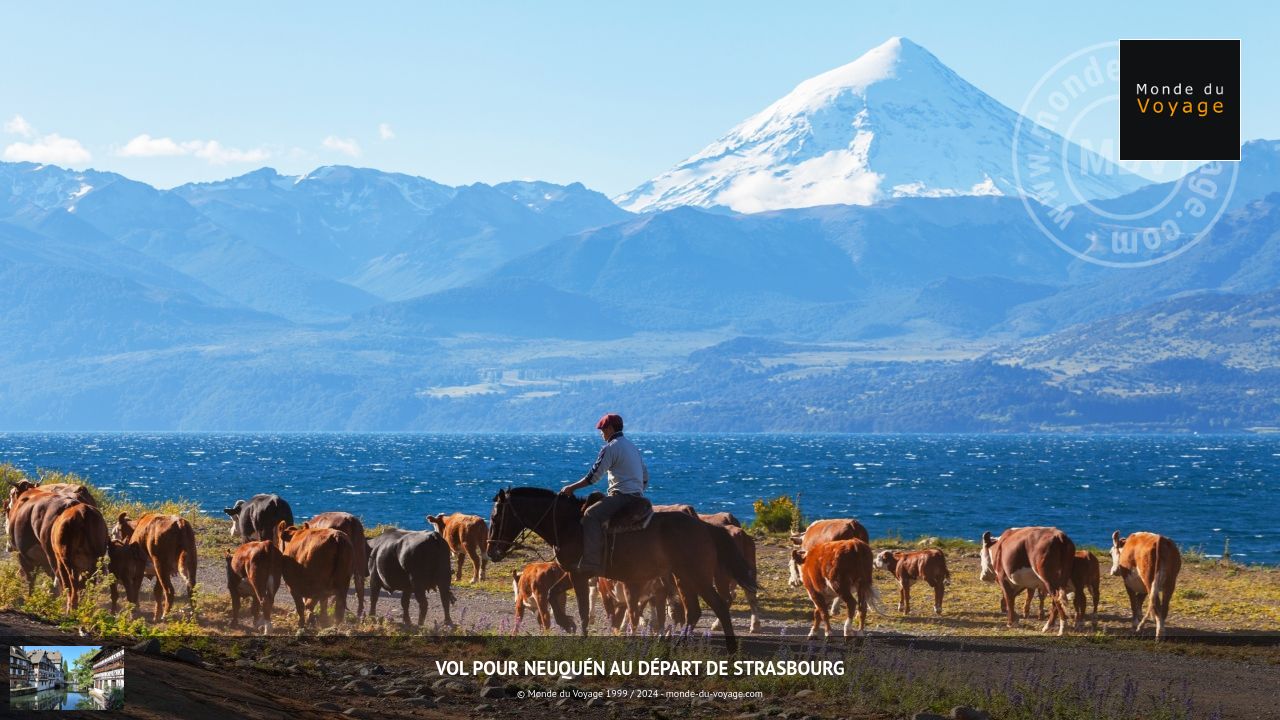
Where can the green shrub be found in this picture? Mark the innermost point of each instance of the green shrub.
(779, 515)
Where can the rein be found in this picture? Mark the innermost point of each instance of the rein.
(527, 528)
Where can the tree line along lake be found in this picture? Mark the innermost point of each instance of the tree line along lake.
(1198, 490)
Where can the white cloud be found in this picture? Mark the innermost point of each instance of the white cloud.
(385, 132)
(346, 146)
(216, 154)
(52, 148)
(19, 126)
(211, 151)
(146, 146)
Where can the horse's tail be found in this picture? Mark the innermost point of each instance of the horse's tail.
(730, 557)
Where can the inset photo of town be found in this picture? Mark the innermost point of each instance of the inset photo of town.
(66, 677)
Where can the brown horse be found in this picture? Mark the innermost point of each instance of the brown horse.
(673, 542)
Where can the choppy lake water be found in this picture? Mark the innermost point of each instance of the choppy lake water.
(1198, 490)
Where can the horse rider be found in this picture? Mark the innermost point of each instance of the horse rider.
(628, 479)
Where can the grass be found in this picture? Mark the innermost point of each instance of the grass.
(1212, 597)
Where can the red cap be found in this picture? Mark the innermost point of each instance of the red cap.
(612, 420)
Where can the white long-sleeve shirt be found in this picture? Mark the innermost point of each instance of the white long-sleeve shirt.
(621, 459)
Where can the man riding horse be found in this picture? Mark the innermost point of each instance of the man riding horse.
(628, 479)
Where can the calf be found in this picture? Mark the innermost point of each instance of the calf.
(911, 567)
(466, 535)
(127, 564)
(78, 539)
(1149, 564)
(258, 518)
(316, 565)
(542, 587)
(837, 570)
(254, 571)
(169, 544)
(351, 525)
(624, 603)
(1085, 575)
(1030, 557)
(820, 531)
(410, 563)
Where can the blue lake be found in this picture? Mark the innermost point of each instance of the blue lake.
(1199, 490)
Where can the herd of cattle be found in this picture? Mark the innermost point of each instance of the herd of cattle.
(59, 529)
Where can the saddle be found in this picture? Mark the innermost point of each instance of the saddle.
(630, 520)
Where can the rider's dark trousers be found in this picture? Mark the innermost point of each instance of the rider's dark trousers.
(593, 525)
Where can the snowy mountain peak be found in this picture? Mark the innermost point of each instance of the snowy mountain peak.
(895, 122)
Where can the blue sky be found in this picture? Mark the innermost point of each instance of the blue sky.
(69, 652)
(608, 94)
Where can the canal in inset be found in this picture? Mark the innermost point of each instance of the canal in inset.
(62, 699)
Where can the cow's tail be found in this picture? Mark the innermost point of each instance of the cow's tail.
(873, 599)
(1154, 599)
(730, 558)
(946, 576)
(187, 560)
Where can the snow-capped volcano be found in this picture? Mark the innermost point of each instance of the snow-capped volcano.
(895, 122)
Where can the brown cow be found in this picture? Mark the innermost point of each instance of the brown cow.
(71, 490)
(316, 565)
(1084, 577)
(820, 531)
(685, 508)
(1149, 564)
(351, 525)
(542, 587)
(724, 581)
(29, 524)
(169, 543)
(910, 567)
(77, 541)
(254, 571)
(1030, 557)
(837, 570)
(466, 535)
(723, 519)
(624, 603)
(127, 563)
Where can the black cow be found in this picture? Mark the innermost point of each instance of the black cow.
(411, 563)
(257, 518)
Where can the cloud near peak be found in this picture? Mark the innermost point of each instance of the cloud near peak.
(346, 146)
(211, 151)
(52, 149)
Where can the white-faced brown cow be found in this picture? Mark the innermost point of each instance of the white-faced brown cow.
(169, 544)
(1030, 557)
(912, 567)
(254, 571)
(466, 535)
(1149, 565)
(542, 587)
(838, 570)
(316, 566)
(351, 525)
(820, 531)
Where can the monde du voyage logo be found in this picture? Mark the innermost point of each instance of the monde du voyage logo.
(1177, 103)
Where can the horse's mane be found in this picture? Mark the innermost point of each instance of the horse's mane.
(531, 492)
